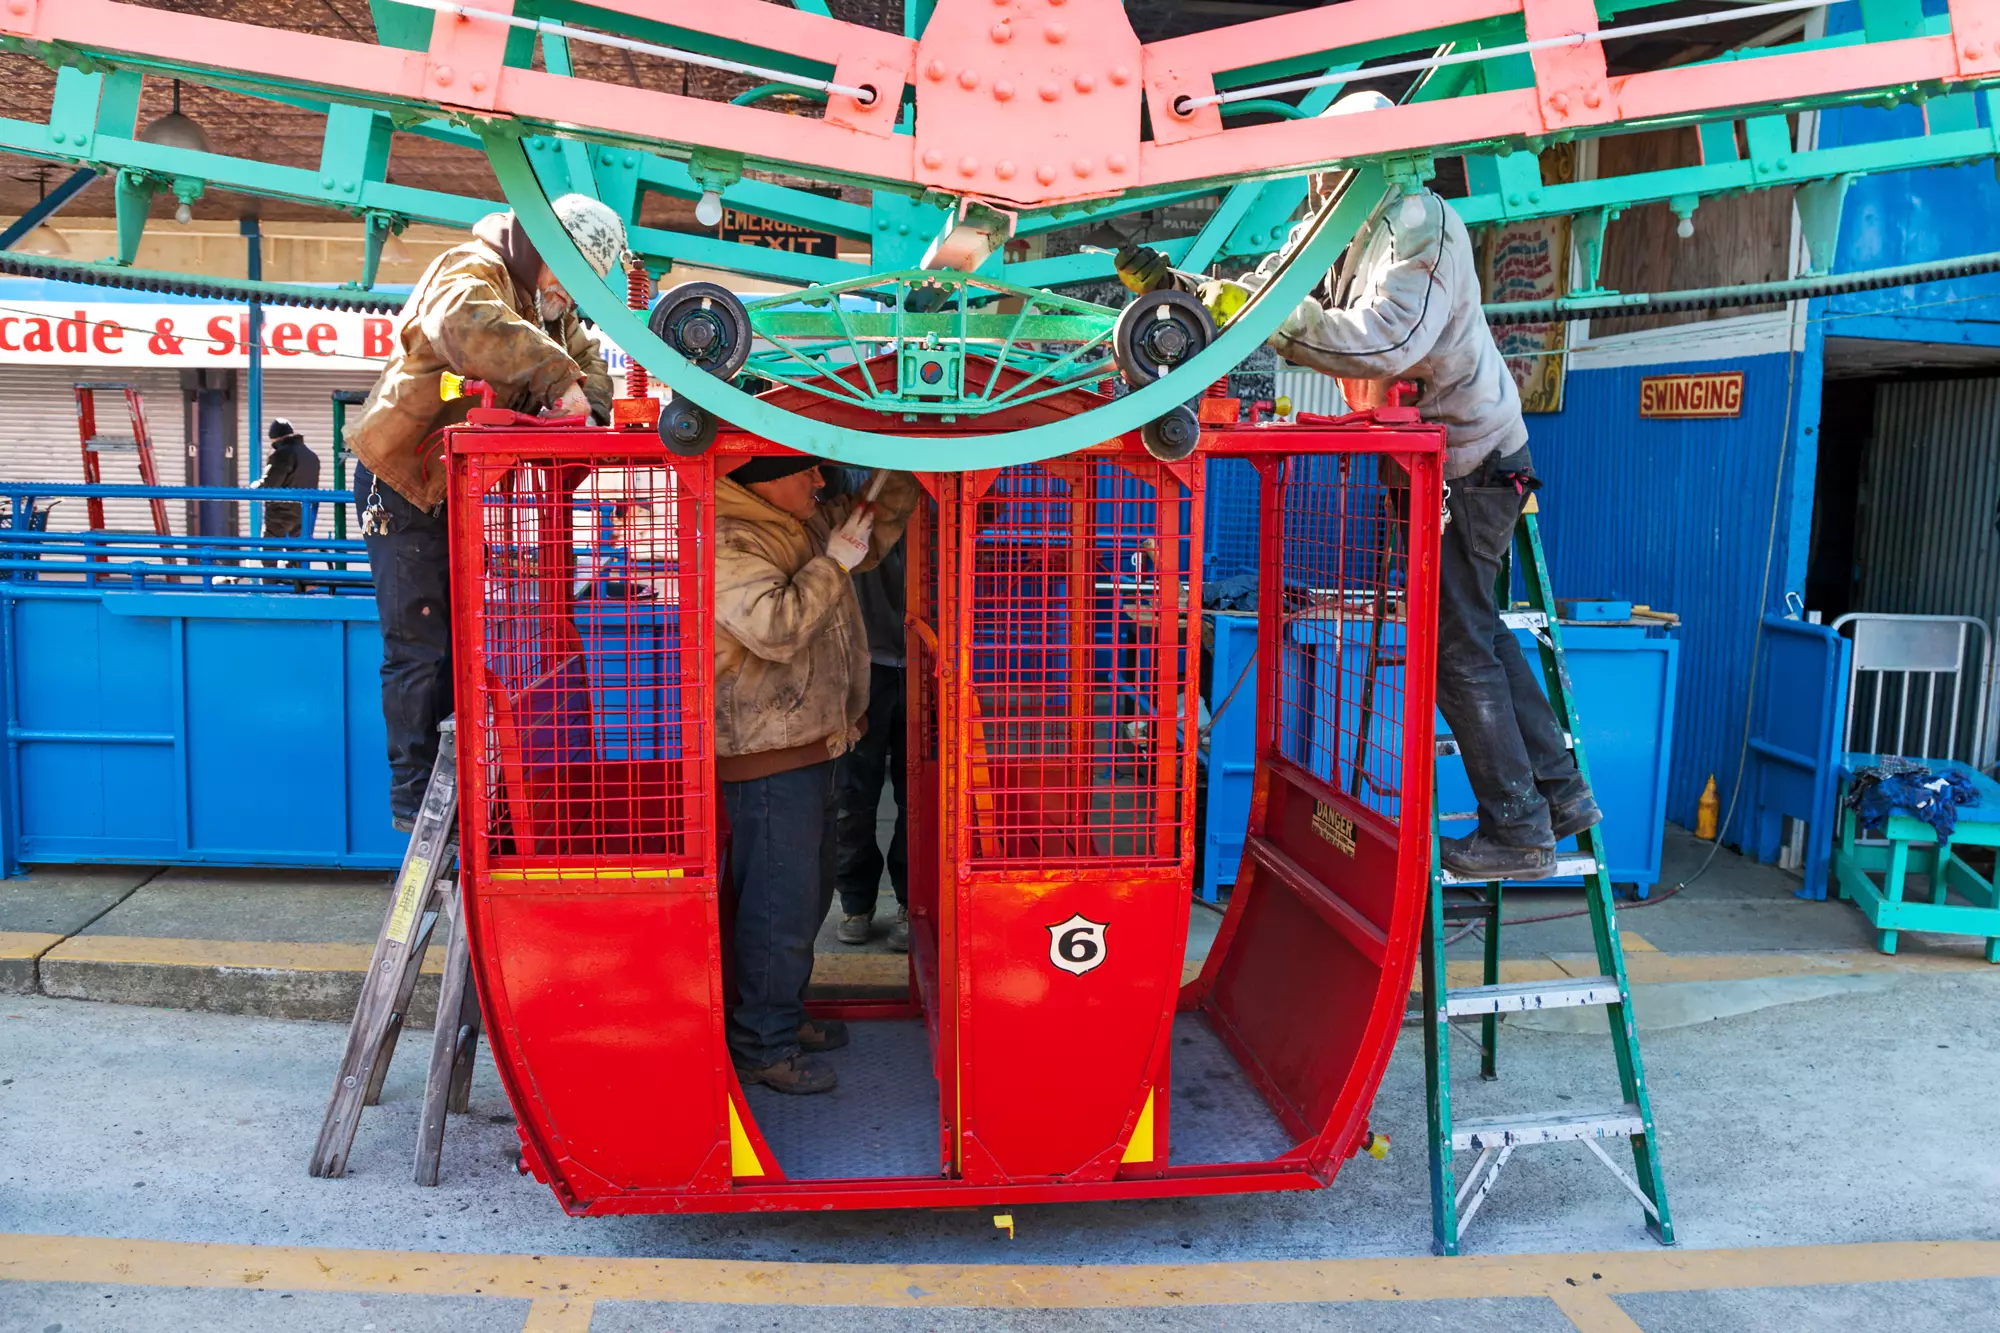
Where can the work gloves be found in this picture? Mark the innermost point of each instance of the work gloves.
(571, 404)
(1223, 299)
(848, 543)
(1141, 269)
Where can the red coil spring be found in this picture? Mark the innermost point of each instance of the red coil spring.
(639, 296)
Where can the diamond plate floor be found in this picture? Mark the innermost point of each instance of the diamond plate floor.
(881, 1121)
(1215, 1115)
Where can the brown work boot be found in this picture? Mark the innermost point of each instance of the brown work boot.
(822, 1034)
(798, 1073)
(899, 931)
(854, 928)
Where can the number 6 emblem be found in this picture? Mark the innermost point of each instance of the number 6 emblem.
(1077, 945)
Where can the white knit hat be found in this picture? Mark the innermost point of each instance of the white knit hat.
(598, 232)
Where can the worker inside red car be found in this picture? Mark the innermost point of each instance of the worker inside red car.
(791, 698)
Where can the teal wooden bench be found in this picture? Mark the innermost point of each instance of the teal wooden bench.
(1872, 874)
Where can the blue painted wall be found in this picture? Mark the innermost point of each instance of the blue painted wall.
(1679, 515)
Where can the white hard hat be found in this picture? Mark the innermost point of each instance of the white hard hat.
(1353, 102)
(598, 232)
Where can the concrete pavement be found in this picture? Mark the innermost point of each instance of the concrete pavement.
(1857, 1117)
(295, 944)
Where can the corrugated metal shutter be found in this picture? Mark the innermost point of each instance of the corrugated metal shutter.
(1677, 515)
(1927, 542)
(38, 439)
(305, 397)
(1310, 391)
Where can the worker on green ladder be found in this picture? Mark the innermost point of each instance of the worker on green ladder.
(1404, 304)
(487, 310)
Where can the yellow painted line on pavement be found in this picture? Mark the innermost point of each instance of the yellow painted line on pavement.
(562, 1288)
(1636, 943)
(19, 944)
(245, 955)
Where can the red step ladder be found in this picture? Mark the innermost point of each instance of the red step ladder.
(95, 445)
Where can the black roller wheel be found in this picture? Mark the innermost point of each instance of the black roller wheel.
(706, 324)
(1172, 437)
(1157, 332)
(686, 429)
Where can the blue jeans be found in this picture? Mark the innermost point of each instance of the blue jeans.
(781, 862)
(411, 563)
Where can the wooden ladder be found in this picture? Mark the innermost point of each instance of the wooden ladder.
(426, 893)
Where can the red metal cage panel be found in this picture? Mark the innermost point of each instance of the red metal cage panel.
(1053, 724)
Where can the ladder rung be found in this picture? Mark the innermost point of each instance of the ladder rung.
(1611, 1122)
(1566, 867)
(1525, 619)
(105, 384)
(105, 444)
(1515, 997)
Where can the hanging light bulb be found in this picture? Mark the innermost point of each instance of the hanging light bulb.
(1685, 229)
(183, 214)
(708, 210)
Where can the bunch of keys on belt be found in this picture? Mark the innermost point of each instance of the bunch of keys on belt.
(375, 517)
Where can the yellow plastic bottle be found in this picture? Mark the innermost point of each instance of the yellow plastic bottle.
(1708, 812)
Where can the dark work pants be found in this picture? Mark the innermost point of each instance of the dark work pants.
(781, 862)
(1506, 731)
(412, 568)
(284, 518)
(858, 778)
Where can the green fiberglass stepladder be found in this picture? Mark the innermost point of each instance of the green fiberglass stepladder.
(1453, 1204)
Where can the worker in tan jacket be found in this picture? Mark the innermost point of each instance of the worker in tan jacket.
(791, 696)
(486, 310)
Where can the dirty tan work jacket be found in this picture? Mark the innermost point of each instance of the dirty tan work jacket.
(791, 652)
(470, 316)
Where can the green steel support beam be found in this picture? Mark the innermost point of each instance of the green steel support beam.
(1119, 416)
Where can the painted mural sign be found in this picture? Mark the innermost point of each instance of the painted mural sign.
(1529, 261)
(1677, 396)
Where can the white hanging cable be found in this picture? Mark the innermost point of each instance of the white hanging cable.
(547, 27)
(1188, 105)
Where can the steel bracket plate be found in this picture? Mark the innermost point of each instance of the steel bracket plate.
(1027, 103)
(1975, 31)
(17, 17)
(863, 71)
(462, 67)
(1569, 80)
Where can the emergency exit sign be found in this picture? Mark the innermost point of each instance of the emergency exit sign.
(1717, 395)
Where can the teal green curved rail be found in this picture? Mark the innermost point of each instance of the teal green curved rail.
(1117, 417)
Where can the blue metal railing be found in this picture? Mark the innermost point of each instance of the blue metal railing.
(32, 553)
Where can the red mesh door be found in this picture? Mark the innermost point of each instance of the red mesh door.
(585, 705)
(1067, 648)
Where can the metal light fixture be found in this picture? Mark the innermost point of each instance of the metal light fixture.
(43, 239)
(175, 130)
